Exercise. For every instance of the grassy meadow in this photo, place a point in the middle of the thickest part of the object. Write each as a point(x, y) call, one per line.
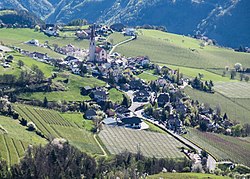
point(16, 37)
point(115, 95)
point(72, 89)
point(117, 37)
point(167, 48)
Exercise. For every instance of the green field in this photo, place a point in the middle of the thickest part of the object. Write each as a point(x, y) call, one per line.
point(146, 76)
point(193, 72)
point(117, 37)
point(72, 89)
point(53, 124)
point(28, 62)
point(222, 147)
point(18, 36)
point(232, 108)
point(186, 176)
point(115, 95)
point(167, 48)
point(234, 90)
point(15, 139)
point(119, 139)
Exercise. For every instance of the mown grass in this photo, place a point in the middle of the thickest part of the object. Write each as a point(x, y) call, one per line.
point(186, 176)
point(233, 109)
point(154, 128)
point(221, 146)
point(72, 92)
point(146, 76)
point(28, 62)
point(115, 95)
point(167, 48)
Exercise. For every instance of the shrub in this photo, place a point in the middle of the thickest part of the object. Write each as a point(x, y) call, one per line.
point(31, 126)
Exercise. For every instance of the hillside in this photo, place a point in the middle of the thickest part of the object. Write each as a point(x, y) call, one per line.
point(223, 20)
point(19, 17)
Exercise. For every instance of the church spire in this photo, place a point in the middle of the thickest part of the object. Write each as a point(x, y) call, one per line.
point(92, 44)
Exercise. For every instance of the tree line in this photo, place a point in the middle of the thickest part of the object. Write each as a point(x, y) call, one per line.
point(58, 159)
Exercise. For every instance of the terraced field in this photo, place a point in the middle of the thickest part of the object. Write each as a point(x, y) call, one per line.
point(119, 139)
point(14, 140)
point(221, 146)
point(53, 124)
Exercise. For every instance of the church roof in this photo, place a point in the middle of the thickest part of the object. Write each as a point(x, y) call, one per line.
point(98, 49)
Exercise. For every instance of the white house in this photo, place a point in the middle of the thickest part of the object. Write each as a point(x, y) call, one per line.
point(129, 31)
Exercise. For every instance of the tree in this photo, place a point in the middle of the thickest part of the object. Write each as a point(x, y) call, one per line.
point(238, 67)
point(233, 74)
point(45, 102)
point(57, 159)
point(31, 126)
point(126, 100)
point(20, 63)
point(247, 78)
point(203, 126)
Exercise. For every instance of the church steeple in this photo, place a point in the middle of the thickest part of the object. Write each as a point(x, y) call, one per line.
point(92, 44)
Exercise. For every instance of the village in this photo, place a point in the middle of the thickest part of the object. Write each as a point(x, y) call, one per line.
point(160, 100)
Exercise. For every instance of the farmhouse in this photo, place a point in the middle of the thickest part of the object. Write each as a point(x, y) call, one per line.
point(89, 114)
point(129, 31)
point(141, 95)
point(100, 95)
point(86, 90)
point(132, 122)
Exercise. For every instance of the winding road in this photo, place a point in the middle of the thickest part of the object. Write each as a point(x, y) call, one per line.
point(120, 43)
point(211, 162)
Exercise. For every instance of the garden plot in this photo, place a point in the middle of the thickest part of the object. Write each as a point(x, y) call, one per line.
point(233, 89)
point(119, 139)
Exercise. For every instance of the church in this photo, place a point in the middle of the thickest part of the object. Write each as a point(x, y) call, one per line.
point(96, 54)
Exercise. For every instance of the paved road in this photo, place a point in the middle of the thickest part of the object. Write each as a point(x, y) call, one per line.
point(211, 162)
point(120, 43)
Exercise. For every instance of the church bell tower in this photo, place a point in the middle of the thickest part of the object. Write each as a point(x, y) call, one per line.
point(92, 44)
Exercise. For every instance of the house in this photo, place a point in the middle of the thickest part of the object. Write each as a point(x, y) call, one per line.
point(86, 90)
point(141, 96)
point(33, 42)
point(82, 34)
point(51, 31)
point(9, 59)
point(132, 122)
point(100, 55)
point(163, 99)
point(110, 113)
point(100, 95)
point(37, 56)
point(109, 121)
point(129, 32)
point(90, 113)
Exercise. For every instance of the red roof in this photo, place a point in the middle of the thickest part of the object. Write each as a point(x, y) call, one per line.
point(98, 49)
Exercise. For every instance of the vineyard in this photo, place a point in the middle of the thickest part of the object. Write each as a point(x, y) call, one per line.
point(221, 146)
point(119, 139)
point(52, 124)
point(14, 140)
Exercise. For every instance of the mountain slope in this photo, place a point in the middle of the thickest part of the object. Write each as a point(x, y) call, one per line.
point(224, 20)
